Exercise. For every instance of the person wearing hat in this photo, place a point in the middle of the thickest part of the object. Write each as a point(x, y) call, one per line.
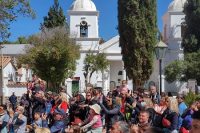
point(93, 122)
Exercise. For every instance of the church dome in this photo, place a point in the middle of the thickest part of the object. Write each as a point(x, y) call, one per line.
point(176, 5)
point(83, 5)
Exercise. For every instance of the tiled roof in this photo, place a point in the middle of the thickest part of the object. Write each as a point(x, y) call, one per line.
point(18, 84)
point(5, 60)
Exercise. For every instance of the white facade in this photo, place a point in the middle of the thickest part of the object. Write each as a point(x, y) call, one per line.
point(172, 21)
point(10, 85)
point(81, 13)
point(84, 28)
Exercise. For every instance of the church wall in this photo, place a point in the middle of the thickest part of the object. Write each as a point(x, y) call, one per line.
point(96, 77)
point(115, 67)
point(175, 25)
point(88, 45)
point(175, 51)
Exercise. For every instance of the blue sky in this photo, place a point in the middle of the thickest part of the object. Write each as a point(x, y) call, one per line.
point(107, 19)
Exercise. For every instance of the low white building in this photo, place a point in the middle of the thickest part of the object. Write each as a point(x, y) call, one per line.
point(13, 79)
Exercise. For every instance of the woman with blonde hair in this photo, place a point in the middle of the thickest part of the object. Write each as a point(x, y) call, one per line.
point(169, 116)
point(61, 102)
point(42, 130)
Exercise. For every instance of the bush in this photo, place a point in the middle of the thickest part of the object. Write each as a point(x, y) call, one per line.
point(190, 98)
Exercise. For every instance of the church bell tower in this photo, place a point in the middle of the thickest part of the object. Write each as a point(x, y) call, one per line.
point(84, 23)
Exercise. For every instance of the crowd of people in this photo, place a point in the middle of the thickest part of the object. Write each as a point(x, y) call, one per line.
point(120, 111)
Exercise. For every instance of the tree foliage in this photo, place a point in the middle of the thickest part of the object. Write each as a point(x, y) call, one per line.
point(9, 11)
point(175, 70)
point(191, 36)
point(94, 63)
point(192, 66)
point(137, 30)
point(190, 98)
point(55, 17)
point(52, 56)
point(21, 40)
point(184, 70)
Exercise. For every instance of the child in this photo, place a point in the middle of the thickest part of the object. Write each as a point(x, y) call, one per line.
point(94, 121)
point(77, 120)
point(37, 123)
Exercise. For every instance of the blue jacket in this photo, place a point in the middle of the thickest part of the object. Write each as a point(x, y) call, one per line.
point(57, 127)
point(182, 107)
point(13, 99)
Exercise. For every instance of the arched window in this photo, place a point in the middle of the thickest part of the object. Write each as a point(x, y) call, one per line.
point(83, 29)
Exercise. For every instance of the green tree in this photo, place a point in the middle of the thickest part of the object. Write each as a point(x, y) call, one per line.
point(55, 17)
point(175, 71)
point(9, 11)
point(191, 36)
point(137, 30)
point(190, 98)
point(94, 63)
point(53, 57)
point(192, 70)
point(21, 40)
point(184, 70)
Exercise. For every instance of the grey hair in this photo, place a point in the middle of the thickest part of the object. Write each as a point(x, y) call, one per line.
point(123, 127)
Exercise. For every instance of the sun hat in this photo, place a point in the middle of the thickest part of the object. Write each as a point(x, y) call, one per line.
point(49, 92)
point(96, 108)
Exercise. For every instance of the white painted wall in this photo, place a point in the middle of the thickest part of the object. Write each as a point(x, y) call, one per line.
point(19, 91)
point(173, 39)
point(116, 66)
point(9, 69)
point(92, 21)
point(7, 91)
point(175, 24)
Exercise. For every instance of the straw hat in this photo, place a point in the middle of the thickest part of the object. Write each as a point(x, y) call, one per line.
point(96, 108)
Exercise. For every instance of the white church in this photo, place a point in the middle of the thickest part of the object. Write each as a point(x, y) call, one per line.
point(85, 29)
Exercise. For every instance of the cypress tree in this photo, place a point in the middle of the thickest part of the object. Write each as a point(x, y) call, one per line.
point(137, 30)
point(191, 36)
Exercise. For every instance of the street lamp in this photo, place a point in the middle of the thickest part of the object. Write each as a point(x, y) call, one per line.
point(2, 84)
point(160, 50)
